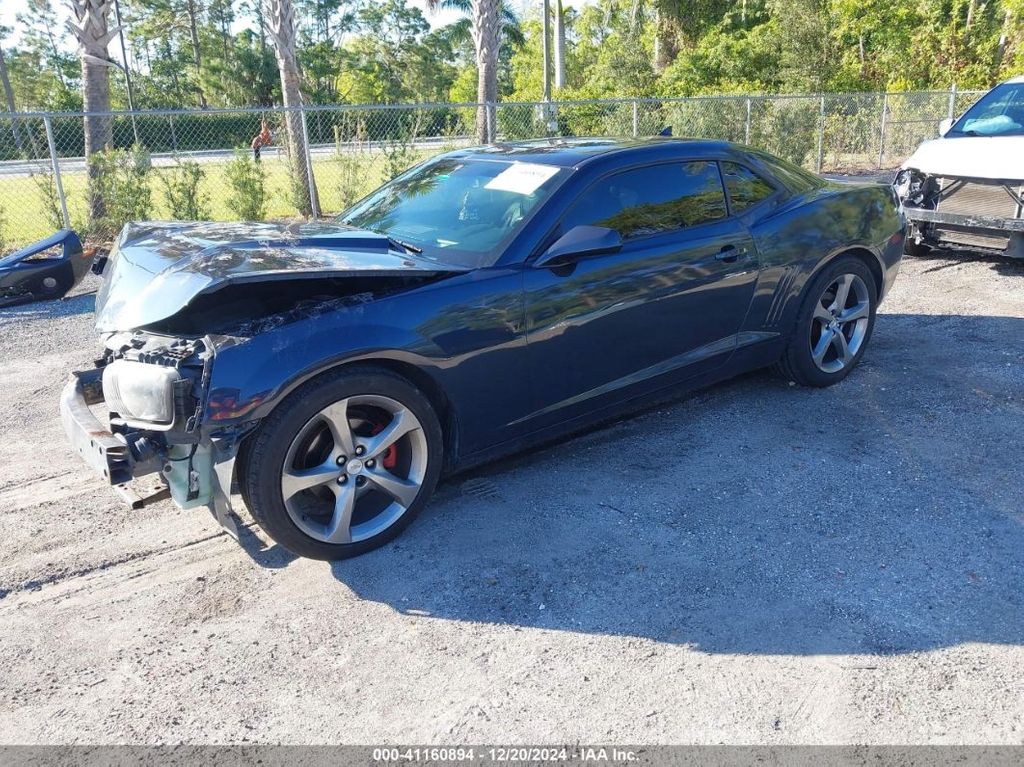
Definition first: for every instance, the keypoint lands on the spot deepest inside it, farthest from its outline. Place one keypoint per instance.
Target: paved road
(753, 563)
(22, 169)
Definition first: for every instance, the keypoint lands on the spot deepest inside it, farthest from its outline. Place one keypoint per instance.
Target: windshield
(456, 210)
(1000, 112)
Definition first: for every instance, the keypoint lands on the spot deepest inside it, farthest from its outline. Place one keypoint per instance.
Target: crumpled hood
(994, 157)
(157, 269)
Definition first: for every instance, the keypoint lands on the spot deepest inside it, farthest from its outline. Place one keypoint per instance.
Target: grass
(23, 205)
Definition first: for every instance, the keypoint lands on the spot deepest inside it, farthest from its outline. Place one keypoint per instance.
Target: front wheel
(343, 465)
(833, 326)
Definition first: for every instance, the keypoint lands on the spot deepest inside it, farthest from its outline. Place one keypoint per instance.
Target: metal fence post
(636, 119)
(174, 134)
(881, 130)
(952, 102)
(314, 203)
(821, 134)
(746, 126)
(55, 164)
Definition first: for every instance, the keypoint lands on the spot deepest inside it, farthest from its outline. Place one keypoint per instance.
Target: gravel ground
(755, 563)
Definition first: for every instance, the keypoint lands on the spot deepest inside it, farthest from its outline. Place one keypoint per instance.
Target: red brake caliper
(390, 459)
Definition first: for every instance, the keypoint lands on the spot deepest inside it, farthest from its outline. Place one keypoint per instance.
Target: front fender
(465, 335)
(250, 378)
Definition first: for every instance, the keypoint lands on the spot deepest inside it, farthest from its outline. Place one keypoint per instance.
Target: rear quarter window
(746, 188)
(793, 177)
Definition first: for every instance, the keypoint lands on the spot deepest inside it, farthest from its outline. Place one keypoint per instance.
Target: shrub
(787, 127)
(399, 156)
(714, 118)
(454, 131)
(400, 150)
(185, 200)
(248, 182)
(120, 179)
(352, 166)
(46, 186)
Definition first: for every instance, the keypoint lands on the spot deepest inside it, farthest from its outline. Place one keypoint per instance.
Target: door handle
(728, 254)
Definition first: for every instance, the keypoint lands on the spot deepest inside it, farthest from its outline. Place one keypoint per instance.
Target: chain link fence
(191, 165)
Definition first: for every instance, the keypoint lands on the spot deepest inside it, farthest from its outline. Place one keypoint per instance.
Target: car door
(665, 307)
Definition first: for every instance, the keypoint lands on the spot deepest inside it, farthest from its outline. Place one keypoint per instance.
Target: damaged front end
(975, 214)
(139, 412)
(174, 299)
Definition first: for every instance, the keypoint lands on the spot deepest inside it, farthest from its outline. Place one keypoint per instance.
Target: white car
(965, 189)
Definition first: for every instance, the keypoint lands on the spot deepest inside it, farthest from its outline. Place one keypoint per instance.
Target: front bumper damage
(196, 473)
(44, 270)
(918, 215)
(966, 213)
(107, 453)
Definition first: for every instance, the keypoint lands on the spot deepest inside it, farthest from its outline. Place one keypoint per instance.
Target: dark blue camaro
(485, 300)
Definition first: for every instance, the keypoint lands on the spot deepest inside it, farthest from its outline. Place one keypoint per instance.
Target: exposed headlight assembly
(902, 183)
(138, 391)
(912, 186)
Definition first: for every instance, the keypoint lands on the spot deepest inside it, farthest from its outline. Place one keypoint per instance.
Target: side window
(659, 198)
(745, 187)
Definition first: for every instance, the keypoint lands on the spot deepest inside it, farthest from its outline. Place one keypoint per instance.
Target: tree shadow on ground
(81, 303)
(883, 515)
(949, 259)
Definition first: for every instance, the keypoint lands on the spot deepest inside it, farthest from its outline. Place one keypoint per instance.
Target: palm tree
(282, 30)
(668, 17)
(460, 32)
(90, 26)
(486, 23)
(666, 34)
(559, 46)
(8, 91)
(192, 11)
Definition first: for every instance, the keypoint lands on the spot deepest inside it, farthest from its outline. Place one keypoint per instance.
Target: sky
(9, 9)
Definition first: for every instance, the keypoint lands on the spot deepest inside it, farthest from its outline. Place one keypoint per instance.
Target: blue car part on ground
(38, 272)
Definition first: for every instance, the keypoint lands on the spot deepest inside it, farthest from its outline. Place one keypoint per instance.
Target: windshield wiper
(408, 247)
(394, 242)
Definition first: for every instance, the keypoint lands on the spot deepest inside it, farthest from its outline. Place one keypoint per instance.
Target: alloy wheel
(354, 469)
(839, 324)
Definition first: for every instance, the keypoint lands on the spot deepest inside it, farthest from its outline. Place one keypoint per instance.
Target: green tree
(283, 30)
(486, 24)
(248, 182)
(395, 58)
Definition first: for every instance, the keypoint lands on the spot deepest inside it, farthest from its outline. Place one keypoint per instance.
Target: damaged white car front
(965, 190)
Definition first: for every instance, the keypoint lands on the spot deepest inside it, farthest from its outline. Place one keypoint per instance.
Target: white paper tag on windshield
(522, 177)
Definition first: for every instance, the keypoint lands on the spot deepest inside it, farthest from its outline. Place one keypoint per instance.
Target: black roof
(571, 152)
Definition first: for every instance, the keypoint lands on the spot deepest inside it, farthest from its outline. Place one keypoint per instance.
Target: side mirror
(578, 242)
(945, 125)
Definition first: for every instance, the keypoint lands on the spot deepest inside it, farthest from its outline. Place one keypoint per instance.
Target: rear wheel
(833, 326)
(343, 465)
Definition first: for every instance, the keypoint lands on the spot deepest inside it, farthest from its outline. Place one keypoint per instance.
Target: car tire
(326, 492)
(916, 249)
(815, 355)
(912, 247)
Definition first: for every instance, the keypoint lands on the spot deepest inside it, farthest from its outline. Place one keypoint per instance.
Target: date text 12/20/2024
(531, 754)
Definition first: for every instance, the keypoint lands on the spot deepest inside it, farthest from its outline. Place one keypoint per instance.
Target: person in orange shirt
(261, 139)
